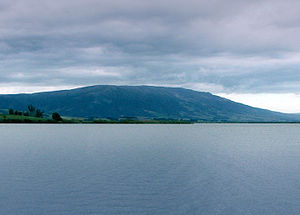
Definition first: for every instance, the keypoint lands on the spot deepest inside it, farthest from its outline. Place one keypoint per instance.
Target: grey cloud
(152, 42)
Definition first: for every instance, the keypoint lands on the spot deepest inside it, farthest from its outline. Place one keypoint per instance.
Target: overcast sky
(248, 51)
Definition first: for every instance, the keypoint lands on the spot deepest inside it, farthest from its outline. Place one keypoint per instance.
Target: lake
(150, 169)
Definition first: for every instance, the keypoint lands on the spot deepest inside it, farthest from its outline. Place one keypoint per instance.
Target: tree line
(35, 112)
(31, 111)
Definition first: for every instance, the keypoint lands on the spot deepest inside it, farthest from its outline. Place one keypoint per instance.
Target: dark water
(150, 169)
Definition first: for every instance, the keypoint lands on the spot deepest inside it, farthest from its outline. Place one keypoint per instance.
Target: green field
(5, 118)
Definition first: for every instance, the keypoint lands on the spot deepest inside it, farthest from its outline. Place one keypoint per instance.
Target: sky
(247, 51)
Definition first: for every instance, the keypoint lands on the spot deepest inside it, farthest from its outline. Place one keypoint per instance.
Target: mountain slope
(142, 101)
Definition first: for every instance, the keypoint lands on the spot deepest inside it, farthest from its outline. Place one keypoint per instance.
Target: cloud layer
(220, 46)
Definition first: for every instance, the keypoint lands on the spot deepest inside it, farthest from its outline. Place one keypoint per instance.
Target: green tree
(31, 110)
(39, 113)
(18, 113)
(56, 116)
(11, 112)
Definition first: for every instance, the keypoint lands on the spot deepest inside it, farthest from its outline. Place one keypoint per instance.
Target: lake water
(150, 169)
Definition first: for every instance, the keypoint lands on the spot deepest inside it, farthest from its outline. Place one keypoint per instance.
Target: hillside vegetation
(143, 103)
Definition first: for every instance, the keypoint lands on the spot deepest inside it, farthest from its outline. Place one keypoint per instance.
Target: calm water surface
(150, 169)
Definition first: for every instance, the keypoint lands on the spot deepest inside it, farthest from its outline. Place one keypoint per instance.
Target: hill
(146, 102)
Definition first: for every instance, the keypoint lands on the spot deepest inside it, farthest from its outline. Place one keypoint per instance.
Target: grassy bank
(6, 118)
(136, 121)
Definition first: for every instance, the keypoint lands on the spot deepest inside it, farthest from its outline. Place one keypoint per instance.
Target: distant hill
(110, 101)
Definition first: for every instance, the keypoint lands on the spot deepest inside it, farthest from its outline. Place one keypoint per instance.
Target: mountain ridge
(112, 101)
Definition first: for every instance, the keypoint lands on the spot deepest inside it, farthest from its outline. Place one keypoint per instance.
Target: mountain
(108, 101)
